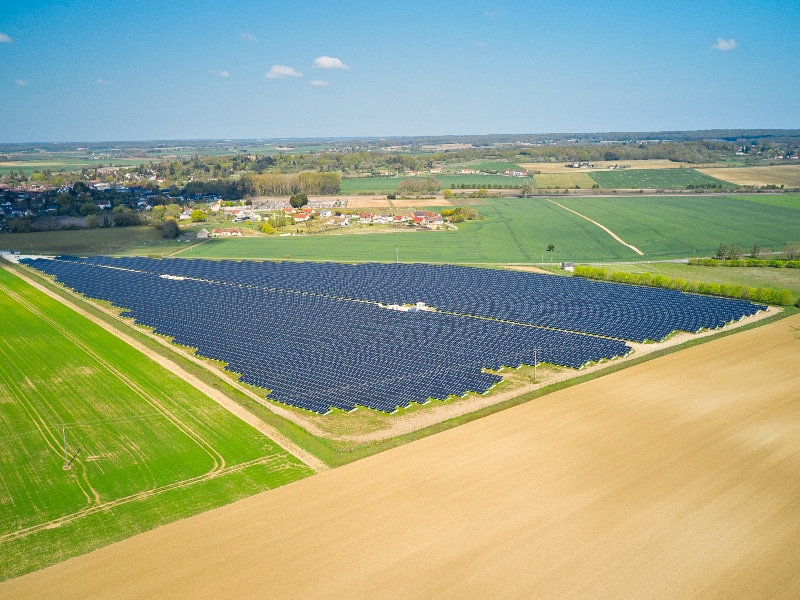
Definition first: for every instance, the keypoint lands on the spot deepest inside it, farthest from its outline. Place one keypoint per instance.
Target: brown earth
(676, 478)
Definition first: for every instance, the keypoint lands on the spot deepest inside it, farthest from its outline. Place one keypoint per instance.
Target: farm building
(226, 232)
(202, 234)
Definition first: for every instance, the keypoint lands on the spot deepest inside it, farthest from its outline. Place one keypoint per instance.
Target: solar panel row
(289, 328)
(317, 352)
(621, 311)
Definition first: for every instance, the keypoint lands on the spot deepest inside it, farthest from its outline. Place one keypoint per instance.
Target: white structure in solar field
(419, 306)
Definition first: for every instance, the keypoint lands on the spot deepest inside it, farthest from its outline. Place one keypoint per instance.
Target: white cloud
(329, 62)
(246, 35)
(5, 38)
(725, 45)
(224, 73)
(21, 82)
(320, 83)
(104, 81)
(281, 72)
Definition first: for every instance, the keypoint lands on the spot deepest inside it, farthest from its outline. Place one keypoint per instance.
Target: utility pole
(397, 254)
(535, 361)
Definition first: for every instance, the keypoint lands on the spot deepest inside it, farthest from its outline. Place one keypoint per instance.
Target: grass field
(563, 180)
(139, 240)
(669, 179)
(746, 276)
(513, 230)
(388, 185)
(69, 163)
(785, 175)
(150, 448)
(672, 226)
(519, 230)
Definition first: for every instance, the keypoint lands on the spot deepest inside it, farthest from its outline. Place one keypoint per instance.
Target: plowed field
(676, 478)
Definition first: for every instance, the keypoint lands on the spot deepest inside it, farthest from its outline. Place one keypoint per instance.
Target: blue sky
(178, 69)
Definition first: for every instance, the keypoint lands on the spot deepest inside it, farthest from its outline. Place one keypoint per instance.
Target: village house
(226, 232)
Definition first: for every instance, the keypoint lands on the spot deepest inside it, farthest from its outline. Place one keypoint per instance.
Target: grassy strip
(766, 295)
(745, 262)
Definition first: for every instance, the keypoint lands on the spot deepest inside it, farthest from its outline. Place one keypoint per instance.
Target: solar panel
(319, 335)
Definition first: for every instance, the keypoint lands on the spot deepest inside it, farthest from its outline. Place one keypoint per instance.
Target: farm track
(217, 459)
(512, 234)
(228, 404)
(49, 437)
(603, 227)
(275, 462)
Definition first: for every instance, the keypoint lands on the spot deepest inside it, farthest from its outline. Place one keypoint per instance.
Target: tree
(755, 250)
(735, 252)
(170, 229)
(722, 250)
(417, 186)
(298, 200)
(792, 250)
(266, 227)
(550, 247)
(173, 210)
(198, 215)
(526, 189)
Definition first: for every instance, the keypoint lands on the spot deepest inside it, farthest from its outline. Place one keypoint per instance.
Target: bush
(170, 229)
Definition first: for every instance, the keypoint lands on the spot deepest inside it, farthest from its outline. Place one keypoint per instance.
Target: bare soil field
(676, 478)
(786, 175)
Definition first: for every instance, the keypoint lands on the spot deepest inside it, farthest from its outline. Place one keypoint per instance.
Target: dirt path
(208, 390)
(676, 478)
(603, 227)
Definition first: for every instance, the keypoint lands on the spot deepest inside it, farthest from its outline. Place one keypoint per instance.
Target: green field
(388, 185)
(150, 448)
(66, 163)
(679, 226)
(668, 179)
(136, 240)
(513, 230)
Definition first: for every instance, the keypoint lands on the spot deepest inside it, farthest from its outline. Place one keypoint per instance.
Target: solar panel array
(315, 336)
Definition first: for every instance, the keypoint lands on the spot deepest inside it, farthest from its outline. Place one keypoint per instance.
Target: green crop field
(513, 230)
(670, 179)
(388, 185)
(148, 448)
(563, 180)
(137, 240)
(674, 226)
(519, 230)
